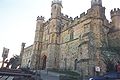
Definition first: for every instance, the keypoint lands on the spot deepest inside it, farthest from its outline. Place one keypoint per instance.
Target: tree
(110, 58)
(14, 62)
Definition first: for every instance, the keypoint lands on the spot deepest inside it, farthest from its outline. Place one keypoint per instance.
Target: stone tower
(54, 35)
(98, 15)
(98, 30)
(96, 2)
(56, 8)
(22, 52)
(115, 16)
(37, 46)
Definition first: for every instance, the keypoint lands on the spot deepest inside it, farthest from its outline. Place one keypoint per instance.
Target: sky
(18, 19)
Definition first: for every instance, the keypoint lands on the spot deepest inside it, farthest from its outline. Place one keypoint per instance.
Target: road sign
(5, 52)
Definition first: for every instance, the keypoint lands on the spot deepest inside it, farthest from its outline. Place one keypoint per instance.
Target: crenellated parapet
(75, 20)
(115, 16)
(82, 14)
(66, 17)
(57, 2)
(47, 22)
(81, 17)
(115, 12)
(96, 2)
(40, 18)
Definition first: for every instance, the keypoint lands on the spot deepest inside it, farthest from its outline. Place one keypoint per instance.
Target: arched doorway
(75, 67)
(44, 62)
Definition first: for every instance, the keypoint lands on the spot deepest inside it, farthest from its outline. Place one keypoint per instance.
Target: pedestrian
(118, 67)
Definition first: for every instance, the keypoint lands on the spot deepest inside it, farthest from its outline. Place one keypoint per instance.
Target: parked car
(107, 76)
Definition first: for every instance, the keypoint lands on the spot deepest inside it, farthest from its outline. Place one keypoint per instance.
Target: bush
(67, 74)
(69, 77)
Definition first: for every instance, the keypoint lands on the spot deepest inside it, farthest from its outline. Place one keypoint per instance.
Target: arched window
(55, 7)
(44, 62)
(76, 60)
(65, 60)
(71, 34)
(52, 39)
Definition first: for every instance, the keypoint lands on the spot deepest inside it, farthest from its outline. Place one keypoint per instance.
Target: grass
(67, 72)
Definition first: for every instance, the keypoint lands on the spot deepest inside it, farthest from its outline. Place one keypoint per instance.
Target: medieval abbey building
(79, 43)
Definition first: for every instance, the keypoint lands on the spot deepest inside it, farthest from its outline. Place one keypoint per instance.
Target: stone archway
(44, 62)
(75, 64)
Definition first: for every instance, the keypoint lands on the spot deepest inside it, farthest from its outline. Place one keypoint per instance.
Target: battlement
(47, 22)
(96, 2)
(57, 2)
(66, 17)
(71, 18)
(115, 12)
(76, 18)
(82, 14)
(40, 18)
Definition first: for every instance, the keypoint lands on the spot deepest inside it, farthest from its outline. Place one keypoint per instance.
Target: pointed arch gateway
(75, 65)
(44, 62)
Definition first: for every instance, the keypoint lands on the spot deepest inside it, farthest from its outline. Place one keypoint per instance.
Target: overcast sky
(18, 19)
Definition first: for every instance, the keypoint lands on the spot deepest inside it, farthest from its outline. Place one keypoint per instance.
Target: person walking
(118, 67)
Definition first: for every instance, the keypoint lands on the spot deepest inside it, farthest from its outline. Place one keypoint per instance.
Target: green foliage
(68, 72)
(112, 49)
(68, 77)
(110, 56)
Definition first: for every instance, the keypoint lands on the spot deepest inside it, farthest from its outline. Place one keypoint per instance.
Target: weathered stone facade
(26, 57)
(66, 43)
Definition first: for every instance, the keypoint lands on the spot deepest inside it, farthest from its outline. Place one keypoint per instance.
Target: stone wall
(68, 54)
(114, 39)
(27, 56)
(73, 43)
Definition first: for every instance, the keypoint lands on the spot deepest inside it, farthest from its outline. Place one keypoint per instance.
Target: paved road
(49, 75)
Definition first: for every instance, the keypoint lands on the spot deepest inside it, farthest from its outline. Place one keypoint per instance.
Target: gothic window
(47, 45)
(75, 67)
(53, 28)
(87, 28)
(55, 7)
(71, 32)
(65, 60)
(53, 35)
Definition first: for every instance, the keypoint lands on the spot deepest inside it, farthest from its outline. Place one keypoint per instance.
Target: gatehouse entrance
(44, 62)
(75, 67)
